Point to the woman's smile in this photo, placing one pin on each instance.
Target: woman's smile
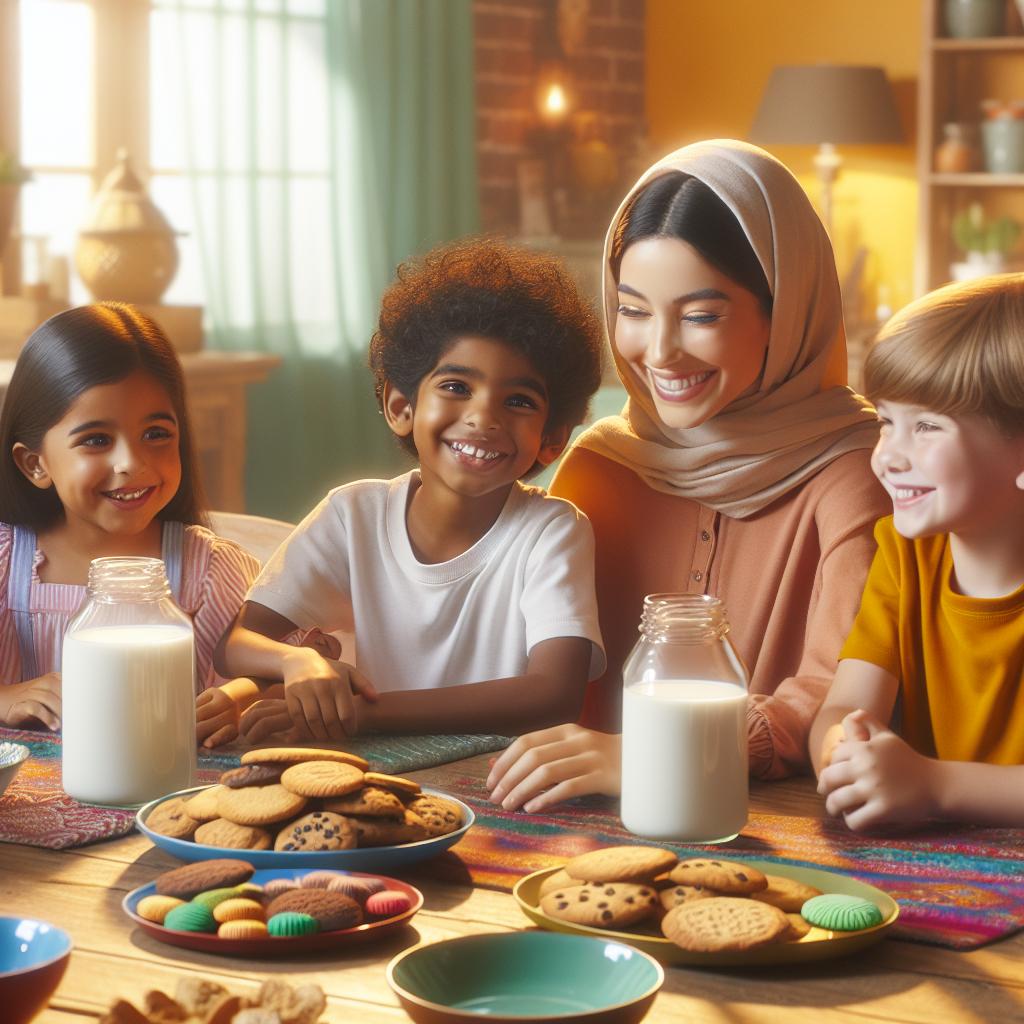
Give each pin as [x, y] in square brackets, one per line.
[679, 388]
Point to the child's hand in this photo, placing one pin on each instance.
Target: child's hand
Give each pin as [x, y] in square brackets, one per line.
[268, 718]
[545, 767]
[216, 718]
[319, 693]
[876, 778]
[35, 700]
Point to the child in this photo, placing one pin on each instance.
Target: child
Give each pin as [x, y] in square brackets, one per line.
[940, 633]
[469, 594]
[96, 459]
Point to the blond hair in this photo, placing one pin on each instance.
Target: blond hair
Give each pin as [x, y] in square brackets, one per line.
[959, 350]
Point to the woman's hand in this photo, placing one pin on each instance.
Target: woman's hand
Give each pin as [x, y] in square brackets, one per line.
[544, 768]
[319, 694]
[875, 778]
[35, 700]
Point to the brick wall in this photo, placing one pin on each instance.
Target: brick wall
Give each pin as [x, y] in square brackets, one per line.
[608, 76]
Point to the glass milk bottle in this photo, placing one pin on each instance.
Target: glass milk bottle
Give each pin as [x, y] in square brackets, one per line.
[684, 731]
[127, 688]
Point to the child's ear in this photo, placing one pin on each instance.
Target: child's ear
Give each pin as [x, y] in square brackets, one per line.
[397, 410]
[553, 444]
[31, 465]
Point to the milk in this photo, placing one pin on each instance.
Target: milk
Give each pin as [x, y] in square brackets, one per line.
[684, 759]
[128, 712]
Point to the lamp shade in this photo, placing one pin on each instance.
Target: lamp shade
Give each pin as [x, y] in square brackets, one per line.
[807, 104]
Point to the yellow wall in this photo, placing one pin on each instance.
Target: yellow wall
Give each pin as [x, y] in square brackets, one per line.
[708, 62]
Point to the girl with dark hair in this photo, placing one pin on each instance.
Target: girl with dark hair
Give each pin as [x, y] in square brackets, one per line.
[739, 467]
[97, 459]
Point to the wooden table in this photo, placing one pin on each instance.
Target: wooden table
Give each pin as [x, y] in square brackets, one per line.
[81, 890]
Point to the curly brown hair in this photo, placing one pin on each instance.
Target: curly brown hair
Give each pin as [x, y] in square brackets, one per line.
[490, 289]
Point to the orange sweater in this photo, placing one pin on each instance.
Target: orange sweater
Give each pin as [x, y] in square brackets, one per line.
[791, 577]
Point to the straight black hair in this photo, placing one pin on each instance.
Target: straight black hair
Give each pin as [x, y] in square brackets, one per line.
[678, 205]
[73, 351]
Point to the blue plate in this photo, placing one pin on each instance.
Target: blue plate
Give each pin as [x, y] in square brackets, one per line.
[369, 858]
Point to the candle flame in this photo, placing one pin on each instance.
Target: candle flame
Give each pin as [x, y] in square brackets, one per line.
[555, 102]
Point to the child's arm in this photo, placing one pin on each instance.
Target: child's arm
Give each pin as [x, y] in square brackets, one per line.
[880, 779]
[551, 692]
[856, 685]
[219, 708]
[36, 699]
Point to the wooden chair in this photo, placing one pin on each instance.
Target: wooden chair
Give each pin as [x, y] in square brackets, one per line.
[259, 535]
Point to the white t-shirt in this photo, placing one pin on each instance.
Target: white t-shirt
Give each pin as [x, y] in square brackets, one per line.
[349, 567]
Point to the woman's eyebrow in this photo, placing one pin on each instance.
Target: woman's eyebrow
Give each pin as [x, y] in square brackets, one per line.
[695, 296]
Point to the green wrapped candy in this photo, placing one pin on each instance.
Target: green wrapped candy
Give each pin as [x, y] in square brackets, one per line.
[841, 913]
[289, 924]
[190, 917]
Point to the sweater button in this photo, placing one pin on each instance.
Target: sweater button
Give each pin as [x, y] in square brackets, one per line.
[705, 536]
[698, 575]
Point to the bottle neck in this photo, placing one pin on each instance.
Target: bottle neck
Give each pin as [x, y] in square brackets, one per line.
[683, 618]
[122, 580]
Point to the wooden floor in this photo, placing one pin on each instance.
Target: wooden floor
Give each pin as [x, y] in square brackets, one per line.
[81, 890]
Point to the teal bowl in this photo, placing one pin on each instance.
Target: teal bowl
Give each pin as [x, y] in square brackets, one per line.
[525, 976]
[33, 958]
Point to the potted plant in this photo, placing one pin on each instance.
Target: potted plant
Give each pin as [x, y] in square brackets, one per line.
[984, 242]
[12, 177]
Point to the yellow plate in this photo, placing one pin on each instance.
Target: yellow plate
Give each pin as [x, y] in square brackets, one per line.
[817, 944]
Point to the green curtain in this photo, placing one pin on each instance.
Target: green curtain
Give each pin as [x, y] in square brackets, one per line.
[327, 141]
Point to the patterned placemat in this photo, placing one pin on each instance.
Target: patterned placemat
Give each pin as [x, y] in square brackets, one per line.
[36, 811]
[958, 888]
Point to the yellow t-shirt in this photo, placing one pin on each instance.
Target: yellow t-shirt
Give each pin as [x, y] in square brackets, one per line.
[959, 660]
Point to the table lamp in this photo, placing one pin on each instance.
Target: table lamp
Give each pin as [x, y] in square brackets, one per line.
[827, 105]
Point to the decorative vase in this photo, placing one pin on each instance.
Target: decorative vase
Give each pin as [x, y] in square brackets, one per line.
[8, 204]
[1003, 142]
[957, 152]
[974, 19]
[126, 249]
[977, 264]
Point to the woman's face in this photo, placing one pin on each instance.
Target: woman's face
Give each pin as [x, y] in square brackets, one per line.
[694, 337]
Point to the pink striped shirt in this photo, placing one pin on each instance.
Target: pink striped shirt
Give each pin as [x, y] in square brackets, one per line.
[216, 573]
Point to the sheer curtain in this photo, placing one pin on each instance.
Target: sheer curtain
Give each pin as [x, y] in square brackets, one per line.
[326, 140]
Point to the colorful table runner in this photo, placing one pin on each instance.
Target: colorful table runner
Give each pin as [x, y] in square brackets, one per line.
[35, 810]
[959, 888]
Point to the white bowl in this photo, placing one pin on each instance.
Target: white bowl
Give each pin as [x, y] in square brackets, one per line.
[12, 757]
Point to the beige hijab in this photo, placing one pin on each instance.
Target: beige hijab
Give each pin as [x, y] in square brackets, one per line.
[802, 415]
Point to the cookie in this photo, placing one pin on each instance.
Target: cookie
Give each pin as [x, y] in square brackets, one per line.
[296, 755]
[319, 830]
[288, 924]
[359, 889]
[190, 917]
[300, 1005]
[259, 805]
[318, 879]
[276, 886]
[369, 802]
[724, 924]
[212, 898]
[156, 908]
[238, 909]
[724, 876]
[787, 894]
[388, 903]
[332, 910]
[393, 782]
[798, 927]
[440, 816]
[606, 905]
[678, 894]
[242, 928]
[322, 778]
[192, 879]
[840, 913]
[621, 864]
[203, 806]
[558, 880]
[252, 775]
[224, 833]
[171, 819]
[387, 832]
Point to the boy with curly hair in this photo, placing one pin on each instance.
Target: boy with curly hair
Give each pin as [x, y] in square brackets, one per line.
[469, 596]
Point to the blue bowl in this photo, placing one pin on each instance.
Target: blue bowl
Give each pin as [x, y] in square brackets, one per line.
[12, 757]
[33, 958]
[523, 977]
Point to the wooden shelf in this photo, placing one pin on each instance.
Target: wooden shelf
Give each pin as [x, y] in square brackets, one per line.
[977, 179]
[991, 44]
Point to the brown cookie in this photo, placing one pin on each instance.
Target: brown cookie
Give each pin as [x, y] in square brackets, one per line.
[332, 910]
[725, 876]
[798, 927]
[621, 864]
[559, 880]
[370, 802]
[221, 832]
[393, 782]
[300, 1005]
[252, 775]
[319, 830]
[192, 879]
[322, 778]
[388, 832]
[677, 894]
[725, 923]
[608, 905]
[787, 894]
[441, 816]
[171, 818]
[203, 806]
[259, 805]
[296, 755]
